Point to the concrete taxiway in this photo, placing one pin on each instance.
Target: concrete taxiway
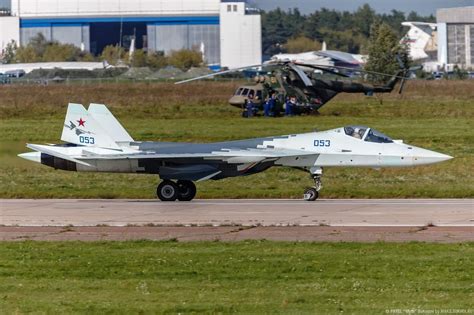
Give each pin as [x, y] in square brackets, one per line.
[351, 212]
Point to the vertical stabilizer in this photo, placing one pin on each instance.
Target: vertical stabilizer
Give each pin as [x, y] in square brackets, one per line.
[81, 128]
[109, 123]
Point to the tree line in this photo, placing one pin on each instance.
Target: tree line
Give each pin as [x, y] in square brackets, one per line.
[39, 49]
[293, 32]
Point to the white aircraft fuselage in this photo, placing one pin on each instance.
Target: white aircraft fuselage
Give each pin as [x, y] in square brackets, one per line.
[96, 142]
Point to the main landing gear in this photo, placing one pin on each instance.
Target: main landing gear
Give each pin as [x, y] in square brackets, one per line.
[182, 190]
[312, 193]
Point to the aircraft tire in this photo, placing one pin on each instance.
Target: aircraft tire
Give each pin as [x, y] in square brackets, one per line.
[167, 191]
[186, 190]
[311, 194]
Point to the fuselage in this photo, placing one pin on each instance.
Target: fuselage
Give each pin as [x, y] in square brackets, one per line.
[352, 146]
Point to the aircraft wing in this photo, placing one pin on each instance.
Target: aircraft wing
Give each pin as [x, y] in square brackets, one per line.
[230, 156]
[234, 156]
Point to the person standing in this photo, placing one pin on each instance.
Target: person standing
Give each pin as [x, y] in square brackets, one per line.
[250, 106]
[290, 103]
[269, 105]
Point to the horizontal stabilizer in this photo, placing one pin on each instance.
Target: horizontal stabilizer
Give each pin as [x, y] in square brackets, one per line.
[54, 152]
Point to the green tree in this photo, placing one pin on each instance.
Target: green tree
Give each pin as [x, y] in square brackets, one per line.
[185, 59]
[61, 52]
[39, 43]
[364, 17]
[9, 52]
[301, 44]
[112, 54]
[138, 59]
[156, 60]
[383, 49]
[278, 26]
[26, 54]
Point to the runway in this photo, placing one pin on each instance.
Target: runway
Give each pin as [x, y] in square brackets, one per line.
[350, 212]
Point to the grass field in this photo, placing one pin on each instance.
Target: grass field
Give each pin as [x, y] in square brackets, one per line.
[246, 277]
[436, 115]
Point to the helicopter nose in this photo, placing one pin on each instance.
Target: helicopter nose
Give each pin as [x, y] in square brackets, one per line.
[236, 100]
[423, 157]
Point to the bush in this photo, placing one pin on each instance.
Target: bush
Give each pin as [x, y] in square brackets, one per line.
[61, 52]
[112, 54]
[26, 54]
[39, 49]
[138, 58]
[157, 60]
[185, 59]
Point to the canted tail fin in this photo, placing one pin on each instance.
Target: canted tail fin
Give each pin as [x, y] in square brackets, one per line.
[107, 120]
[80, 127]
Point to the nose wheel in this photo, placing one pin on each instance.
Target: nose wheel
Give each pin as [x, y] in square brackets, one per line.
[312, 193]
[183, 190]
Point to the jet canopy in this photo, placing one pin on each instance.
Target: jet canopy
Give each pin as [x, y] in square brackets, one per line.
[367, 134]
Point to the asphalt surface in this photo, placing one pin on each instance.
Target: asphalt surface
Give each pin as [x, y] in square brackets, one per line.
[352, 212]
[364, 234]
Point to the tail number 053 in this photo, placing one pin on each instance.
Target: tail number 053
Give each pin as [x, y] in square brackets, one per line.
[322, 143]
[86, 140]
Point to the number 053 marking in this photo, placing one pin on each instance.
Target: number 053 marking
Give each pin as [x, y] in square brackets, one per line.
[322, 143]
[86, 140]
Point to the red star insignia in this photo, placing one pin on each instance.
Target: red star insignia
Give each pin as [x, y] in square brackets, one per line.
[81, 122]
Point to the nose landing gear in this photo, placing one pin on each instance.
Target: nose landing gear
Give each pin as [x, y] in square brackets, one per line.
[312, 193]
[183, 190]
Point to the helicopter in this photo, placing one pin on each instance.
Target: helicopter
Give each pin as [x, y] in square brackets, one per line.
[305, 83]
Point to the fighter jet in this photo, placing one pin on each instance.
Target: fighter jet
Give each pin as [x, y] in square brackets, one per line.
[96, 142]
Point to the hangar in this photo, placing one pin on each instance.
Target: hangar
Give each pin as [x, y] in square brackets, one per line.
[456, 36]
[228, 33]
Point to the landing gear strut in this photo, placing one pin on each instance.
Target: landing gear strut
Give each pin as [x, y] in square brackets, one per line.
[312, 193]
[183, 190]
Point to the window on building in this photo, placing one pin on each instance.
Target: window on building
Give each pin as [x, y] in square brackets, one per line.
[229, 8]
[235, 8]
[457, 43]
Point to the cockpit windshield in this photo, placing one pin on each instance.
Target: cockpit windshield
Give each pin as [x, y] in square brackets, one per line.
[376, 136]
[367, 134]
[355, 131]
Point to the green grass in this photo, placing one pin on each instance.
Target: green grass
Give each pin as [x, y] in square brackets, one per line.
[434, 115]
[147, 277]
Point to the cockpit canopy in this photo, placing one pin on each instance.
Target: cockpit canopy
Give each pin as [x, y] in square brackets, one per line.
[367, 134]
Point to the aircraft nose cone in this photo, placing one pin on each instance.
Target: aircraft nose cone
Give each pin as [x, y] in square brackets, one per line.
[422, 156]
[31, 156]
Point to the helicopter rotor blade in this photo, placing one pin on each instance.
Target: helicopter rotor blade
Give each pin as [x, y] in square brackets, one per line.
[322, 69]
[301, 74]
[325, 68]
[210, 75]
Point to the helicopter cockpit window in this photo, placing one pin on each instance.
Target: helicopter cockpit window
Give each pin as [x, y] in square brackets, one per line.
[252, 92]
[378, 137]
[239, 91]
[245, 92]
[355, 131]
[259, 94]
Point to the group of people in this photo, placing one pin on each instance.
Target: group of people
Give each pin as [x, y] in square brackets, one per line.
[269, 106]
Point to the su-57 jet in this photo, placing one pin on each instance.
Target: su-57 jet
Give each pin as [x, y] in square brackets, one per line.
[96, 142]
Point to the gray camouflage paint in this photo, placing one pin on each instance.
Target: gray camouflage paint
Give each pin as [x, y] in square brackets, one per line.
[187, 168]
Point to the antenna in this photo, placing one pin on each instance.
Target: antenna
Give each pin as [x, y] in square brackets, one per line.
[120, 40]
